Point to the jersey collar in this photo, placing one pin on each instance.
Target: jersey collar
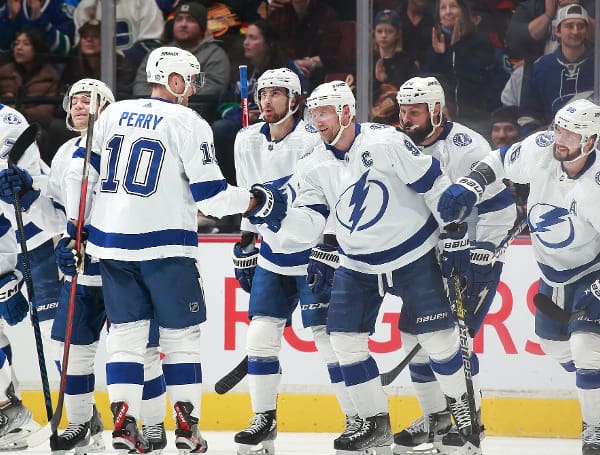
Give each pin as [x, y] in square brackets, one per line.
[339, 154]
[266, 131]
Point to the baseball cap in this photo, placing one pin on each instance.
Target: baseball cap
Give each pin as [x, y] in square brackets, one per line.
[387, 16]
[571, 12]
[509, 114]
[196, 10]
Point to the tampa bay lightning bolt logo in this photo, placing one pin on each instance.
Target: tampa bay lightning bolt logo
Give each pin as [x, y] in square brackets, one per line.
[544, 139]
[551, 225]
[412, 147]
[12, 119]
[461, 139]
[363, 204]
[285, 184]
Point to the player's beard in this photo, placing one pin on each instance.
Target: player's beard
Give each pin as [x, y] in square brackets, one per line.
[418, 133]
[274, 116]
[568, 157]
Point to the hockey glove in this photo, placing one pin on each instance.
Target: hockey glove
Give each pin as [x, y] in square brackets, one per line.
[482, 283]
[17, 181]
[271, 208]
[245, 265]
[322, 264]
[13, 306]
[458, 200]
[588, 299]
[69, 260]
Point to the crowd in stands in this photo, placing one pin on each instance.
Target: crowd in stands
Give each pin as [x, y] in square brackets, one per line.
[531, 56]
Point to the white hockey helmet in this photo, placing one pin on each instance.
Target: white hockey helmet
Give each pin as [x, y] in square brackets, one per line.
[279, 77]
[581, 117]
[105, 97]
[334, 93]
[164, 61]
[426, 90]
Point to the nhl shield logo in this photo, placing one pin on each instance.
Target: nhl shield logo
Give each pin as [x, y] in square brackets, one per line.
[194, 307]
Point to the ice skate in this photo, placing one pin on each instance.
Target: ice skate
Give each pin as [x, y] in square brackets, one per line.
[259, 437]
[590, 439]
[424, 435]
[16, 423]
[373, 438]
[96, 429]
[187, 434]
[156, 436]
[353, 424]
[126, 435]
[82, 438]
[451, 440]
[459, 409]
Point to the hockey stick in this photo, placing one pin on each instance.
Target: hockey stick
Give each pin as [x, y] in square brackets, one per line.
[71, 309]
[231, 379]
[20, 146]
[545, 304]
[244, 94]
[388, 377]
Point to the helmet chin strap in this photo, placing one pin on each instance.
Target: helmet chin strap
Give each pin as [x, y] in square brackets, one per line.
[339, 134]
[177, 95]
[582, 153]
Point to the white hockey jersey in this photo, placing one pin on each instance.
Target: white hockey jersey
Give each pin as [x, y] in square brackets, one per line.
[382, 193]
[258, 159]
[458, 149]
[562, 212]
[153, 167]
[12, 124]
[49, 209]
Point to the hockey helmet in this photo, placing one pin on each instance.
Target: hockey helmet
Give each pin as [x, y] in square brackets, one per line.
[426, 90]
[164, 61]
[581, 117]
[105, 97]
[334, 93]
[279, 77]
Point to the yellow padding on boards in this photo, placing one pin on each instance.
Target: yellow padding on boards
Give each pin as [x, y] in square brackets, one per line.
[531, 417]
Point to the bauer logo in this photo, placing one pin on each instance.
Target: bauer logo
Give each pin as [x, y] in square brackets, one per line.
[462, 139]
[412, 147]
[544, 139]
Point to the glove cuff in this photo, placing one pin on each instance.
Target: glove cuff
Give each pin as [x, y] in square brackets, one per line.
[595, 288]
[246, 262]
[329, 258]
[472, 185]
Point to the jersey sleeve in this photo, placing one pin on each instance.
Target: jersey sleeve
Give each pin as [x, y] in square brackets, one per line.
[211, 192]
[8, 246]
[240, 160]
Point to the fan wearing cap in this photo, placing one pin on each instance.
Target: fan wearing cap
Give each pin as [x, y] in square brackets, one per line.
[392, 66]
[189, 33]
[564, 75]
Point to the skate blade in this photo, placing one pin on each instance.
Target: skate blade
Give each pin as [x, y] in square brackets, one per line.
[426, 448]
[381, 450]
[262, 448]
[31, 434]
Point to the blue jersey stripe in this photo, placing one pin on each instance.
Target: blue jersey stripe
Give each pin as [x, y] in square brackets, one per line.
[425, 183]
[30, 231]
[142, 240]
[500, 201]
[205, 190]
[284, 259]
[94, 158]
[562, 276]
[320, 208]
[5, 225]
[383, 257]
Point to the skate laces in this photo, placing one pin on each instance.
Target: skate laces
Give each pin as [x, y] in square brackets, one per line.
[461, 414]
[366, 427]
[258, 422]
[353, 424]
[73, 430]
[591, 434]
[153, 431]
[421, 425]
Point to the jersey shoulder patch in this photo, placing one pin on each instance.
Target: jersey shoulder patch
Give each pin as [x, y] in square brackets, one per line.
[544, 139]
[462, 139]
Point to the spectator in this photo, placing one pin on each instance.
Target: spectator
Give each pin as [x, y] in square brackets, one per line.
[84, 61]
[530, 30]
[189, 33]
[511, 93]
[309, 32]
[462, 58]
[138, 25]
[505, 132]
[53, 17]
[556, 78]
[261, 52]
[417, 20]
[392, 67]
[29, 75]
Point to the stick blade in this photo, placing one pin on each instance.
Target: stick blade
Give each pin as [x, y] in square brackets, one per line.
[231, 379]
[545, 304]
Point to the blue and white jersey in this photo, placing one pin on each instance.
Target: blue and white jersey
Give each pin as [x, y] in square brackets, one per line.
[562, 212]
[382, 194]
[152, 168]
[258, 159]
[8, 246]
[48, 210]
[458, 149]
[12, 124]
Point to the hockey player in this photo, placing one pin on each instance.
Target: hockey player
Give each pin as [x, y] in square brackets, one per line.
[457, 148]
[84, 433]
[562, 169]
[153, 169]
[275, 276]
[370, 176]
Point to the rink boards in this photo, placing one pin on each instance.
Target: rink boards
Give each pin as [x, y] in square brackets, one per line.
[525, 393]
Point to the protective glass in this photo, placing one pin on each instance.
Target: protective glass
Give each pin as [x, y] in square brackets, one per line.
[566, 138]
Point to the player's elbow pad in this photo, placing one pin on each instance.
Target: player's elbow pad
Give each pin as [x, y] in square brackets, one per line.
[483, 174]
